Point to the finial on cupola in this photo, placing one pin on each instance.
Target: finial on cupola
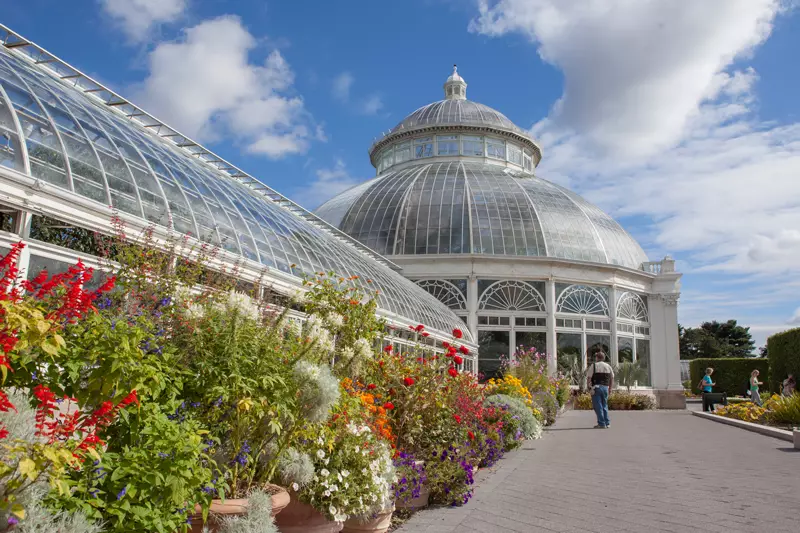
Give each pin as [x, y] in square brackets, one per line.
[455, 88]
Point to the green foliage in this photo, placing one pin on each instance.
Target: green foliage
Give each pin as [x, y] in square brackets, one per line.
[627, 374]
[528, 425]
[715, 339]
[784, 410]
[40, 519]
[150, 481]
[730, 374]
[548, 405]
[784, 357]
[563, 391]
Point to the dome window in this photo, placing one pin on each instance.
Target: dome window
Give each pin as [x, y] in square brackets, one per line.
[472, 145]
[423, 148]
[496, 149]
[402, 152]
[447, 144]
[514, 154]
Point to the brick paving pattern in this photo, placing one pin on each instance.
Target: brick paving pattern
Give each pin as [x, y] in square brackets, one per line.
[662, 471]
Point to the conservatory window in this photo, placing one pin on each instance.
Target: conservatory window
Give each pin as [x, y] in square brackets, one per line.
[423, 147]
[527, 160]
[402, 152]
[496, 149]
[514, 154]
[472, 145]
[447, 144]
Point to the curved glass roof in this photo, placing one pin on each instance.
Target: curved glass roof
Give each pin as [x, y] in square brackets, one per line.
[463, 207]
[460, 112]
[60, 132]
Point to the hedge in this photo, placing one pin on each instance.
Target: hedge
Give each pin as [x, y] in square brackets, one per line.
[730, 373]
[783, 351]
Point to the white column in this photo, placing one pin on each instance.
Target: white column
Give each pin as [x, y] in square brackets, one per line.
[584, 355]
[552, 345]
[472, 306]
[658, 342]
[23, 229]
[671, 344]
[612, 309]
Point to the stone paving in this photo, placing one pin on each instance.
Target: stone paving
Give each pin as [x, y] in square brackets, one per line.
[660, 471]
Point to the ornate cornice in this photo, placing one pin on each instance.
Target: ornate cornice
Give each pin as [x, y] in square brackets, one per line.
[669, 298]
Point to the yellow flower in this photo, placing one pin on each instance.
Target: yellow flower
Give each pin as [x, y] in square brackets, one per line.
[245, 404]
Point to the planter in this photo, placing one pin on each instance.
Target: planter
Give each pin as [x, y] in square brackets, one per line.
[416, 503]
[299, 517]
[236, 507]
[379, 524]
[796, 435]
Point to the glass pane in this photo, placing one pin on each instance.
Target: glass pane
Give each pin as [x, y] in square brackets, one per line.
[532, 339]
[514, 154]
[596, 343]
[53, 266]
[492, 346]
[643, 357]
[423, 150]
[570, 353]
[496, 149]
[624, 349]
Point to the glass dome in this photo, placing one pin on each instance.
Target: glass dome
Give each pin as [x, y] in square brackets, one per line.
[461, 207]
[60, 129]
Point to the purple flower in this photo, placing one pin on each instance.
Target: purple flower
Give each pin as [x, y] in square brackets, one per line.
[122, 493]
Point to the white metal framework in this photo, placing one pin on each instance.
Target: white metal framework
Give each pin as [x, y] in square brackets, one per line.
[631, 306]
[582, 300]
[446, 292]
[511, 296]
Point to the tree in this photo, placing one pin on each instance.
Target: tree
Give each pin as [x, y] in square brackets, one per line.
[762, 352]
[716, 339]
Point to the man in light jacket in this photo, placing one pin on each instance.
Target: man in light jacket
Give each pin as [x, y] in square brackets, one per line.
[600, 378]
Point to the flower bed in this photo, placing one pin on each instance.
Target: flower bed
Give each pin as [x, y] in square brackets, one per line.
[618, 401]
[165, 389]
[777, 411]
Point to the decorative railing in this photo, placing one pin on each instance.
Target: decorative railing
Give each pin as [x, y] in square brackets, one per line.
[666, 265]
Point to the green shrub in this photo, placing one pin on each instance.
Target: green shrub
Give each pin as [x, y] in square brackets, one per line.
[730, 373]
[783, 351]
[530, 427]
[547, 404]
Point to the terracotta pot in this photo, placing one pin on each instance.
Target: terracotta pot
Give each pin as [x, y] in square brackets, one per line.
[236, 507]
[379, 524]
[416, 503]
[299, 517]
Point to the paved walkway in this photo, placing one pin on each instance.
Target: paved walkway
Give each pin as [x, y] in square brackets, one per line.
[662, 471]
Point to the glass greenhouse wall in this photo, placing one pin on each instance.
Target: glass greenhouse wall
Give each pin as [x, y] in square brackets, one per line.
[58, 135]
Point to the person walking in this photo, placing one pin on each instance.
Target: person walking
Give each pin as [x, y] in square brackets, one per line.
[600, 378]
[754, 383]
[789, 385]
[707, 383]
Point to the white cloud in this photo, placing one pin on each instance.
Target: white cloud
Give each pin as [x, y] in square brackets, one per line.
[372, 105]
[795, 320]
[341, 86]
[206, 86]
[329, 183]
[138, 17]
[635, 70]
[657, 121]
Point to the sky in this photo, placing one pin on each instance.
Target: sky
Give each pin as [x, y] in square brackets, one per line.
[680, 119]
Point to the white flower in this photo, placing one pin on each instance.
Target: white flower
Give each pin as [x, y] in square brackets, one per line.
[320, 441]
[332, 510]
[295, 487]
[327, 460]
[339, 477]
[334, 320]
[333, 488]
[346, 485]
[345, 473]
[327, 493]
[324, 472]
[320, 454]
[194, 311]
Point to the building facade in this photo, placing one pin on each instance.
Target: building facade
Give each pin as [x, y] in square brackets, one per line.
[525, 263]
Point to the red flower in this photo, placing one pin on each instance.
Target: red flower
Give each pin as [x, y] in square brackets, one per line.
[458, 359]
[129, 399]
[5, 403]
[471, 435]
[457, 333]
[451, 351]
[371, 386]
[426, 334]
[452, 371]
[3, 433]
[408, 381]
[419, 328]
[388, 348]
[464, 350]
[445, 344]
[388, 406]
[458, 418]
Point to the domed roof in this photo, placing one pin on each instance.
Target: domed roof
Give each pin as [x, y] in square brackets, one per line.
[451, 112]
[464, 207]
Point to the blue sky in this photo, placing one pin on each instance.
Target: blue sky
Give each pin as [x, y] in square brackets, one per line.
[679, 119]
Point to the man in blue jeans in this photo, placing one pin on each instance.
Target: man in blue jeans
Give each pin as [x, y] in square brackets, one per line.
[600, 378]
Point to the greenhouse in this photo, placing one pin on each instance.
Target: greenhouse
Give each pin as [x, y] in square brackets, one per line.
[526, 263]
[74, 156]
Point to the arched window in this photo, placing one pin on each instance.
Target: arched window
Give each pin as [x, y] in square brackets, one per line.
[582, 300]
[631, 306]
[511, 296]
[445, 292]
